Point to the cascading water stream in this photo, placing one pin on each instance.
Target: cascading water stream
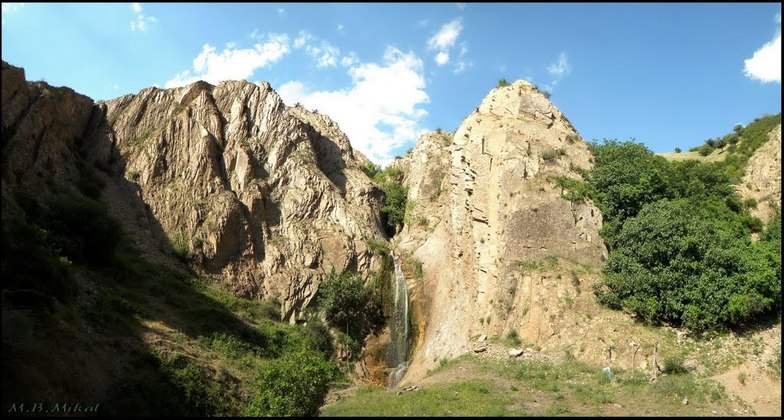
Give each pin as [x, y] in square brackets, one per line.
[399, 328]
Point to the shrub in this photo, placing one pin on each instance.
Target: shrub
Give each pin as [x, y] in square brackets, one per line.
[349, 305]
[371, 169]
[677, 150]
[317, 337]
[550, 154]
[181, 247]
[513, 336]
[417, 268]
[82, 230]
[393, 209]
[674, 366]
[293, 385]
[502, 83]
[30, 264]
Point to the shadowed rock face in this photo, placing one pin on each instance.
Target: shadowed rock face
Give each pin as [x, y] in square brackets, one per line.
[266, 196]
[490, 227]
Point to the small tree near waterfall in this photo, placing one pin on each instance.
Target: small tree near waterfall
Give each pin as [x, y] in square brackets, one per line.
[349, 306]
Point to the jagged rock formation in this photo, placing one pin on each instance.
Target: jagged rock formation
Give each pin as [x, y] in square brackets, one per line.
[762, 180]
[268, 197]
[496, 241]
[43, 128]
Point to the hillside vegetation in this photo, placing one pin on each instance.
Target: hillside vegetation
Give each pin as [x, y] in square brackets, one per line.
[733, 150]
[680, 240]
[474, 386]
[139, 338]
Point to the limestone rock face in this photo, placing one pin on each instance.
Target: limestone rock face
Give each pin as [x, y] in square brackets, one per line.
[762, 180]
[496, 241]
[266, 197]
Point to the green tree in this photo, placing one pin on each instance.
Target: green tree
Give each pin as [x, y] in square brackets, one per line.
[349, 305]
[625, 177]
[691, 263]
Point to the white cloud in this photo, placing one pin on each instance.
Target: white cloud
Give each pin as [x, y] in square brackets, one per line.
[380, 111]
[557, 70]
[444, 40]
[340, 28]
[446, 37]
[141, 22]
[232, 63]
[303, 38]
[461, 65]
[422, 22]
[765, 64]
[349, 59]
[442, 58]
[325, 54]
[460, 6]
[561, 67]
[282, 12]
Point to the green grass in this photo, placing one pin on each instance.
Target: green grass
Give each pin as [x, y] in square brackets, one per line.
[472, 398]
[527, 388]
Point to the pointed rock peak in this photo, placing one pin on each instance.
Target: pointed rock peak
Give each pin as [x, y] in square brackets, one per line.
[519, 97]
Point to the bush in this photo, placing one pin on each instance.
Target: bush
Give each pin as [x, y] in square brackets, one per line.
[551, 154]
[677, 150]
[348, 305]
[82, 230]
[674, 366]
[293, 385]
[29, 264]
[393, 209]
[371, 169]
[513, 336]
[317, 337]
[502, 83]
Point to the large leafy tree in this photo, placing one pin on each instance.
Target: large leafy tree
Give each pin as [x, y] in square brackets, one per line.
[691, 263]
[625, 177]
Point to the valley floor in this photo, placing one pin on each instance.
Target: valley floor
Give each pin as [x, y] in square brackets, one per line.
[728, 376]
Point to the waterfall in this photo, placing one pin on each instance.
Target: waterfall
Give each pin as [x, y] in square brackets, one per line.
[399, 328]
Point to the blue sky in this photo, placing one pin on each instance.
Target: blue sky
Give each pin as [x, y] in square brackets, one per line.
[668, 75]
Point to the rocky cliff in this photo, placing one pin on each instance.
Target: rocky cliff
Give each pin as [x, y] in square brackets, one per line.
[266, 197]
[499, 249]
[762, 180]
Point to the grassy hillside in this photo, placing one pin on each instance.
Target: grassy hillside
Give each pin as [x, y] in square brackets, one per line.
[88, 321]
[474, 386]
[732, 150]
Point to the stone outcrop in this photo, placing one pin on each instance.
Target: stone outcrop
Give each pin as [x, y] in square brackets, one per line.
[266, 197]
[500, 249]
[43, 129]
[762, 180]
